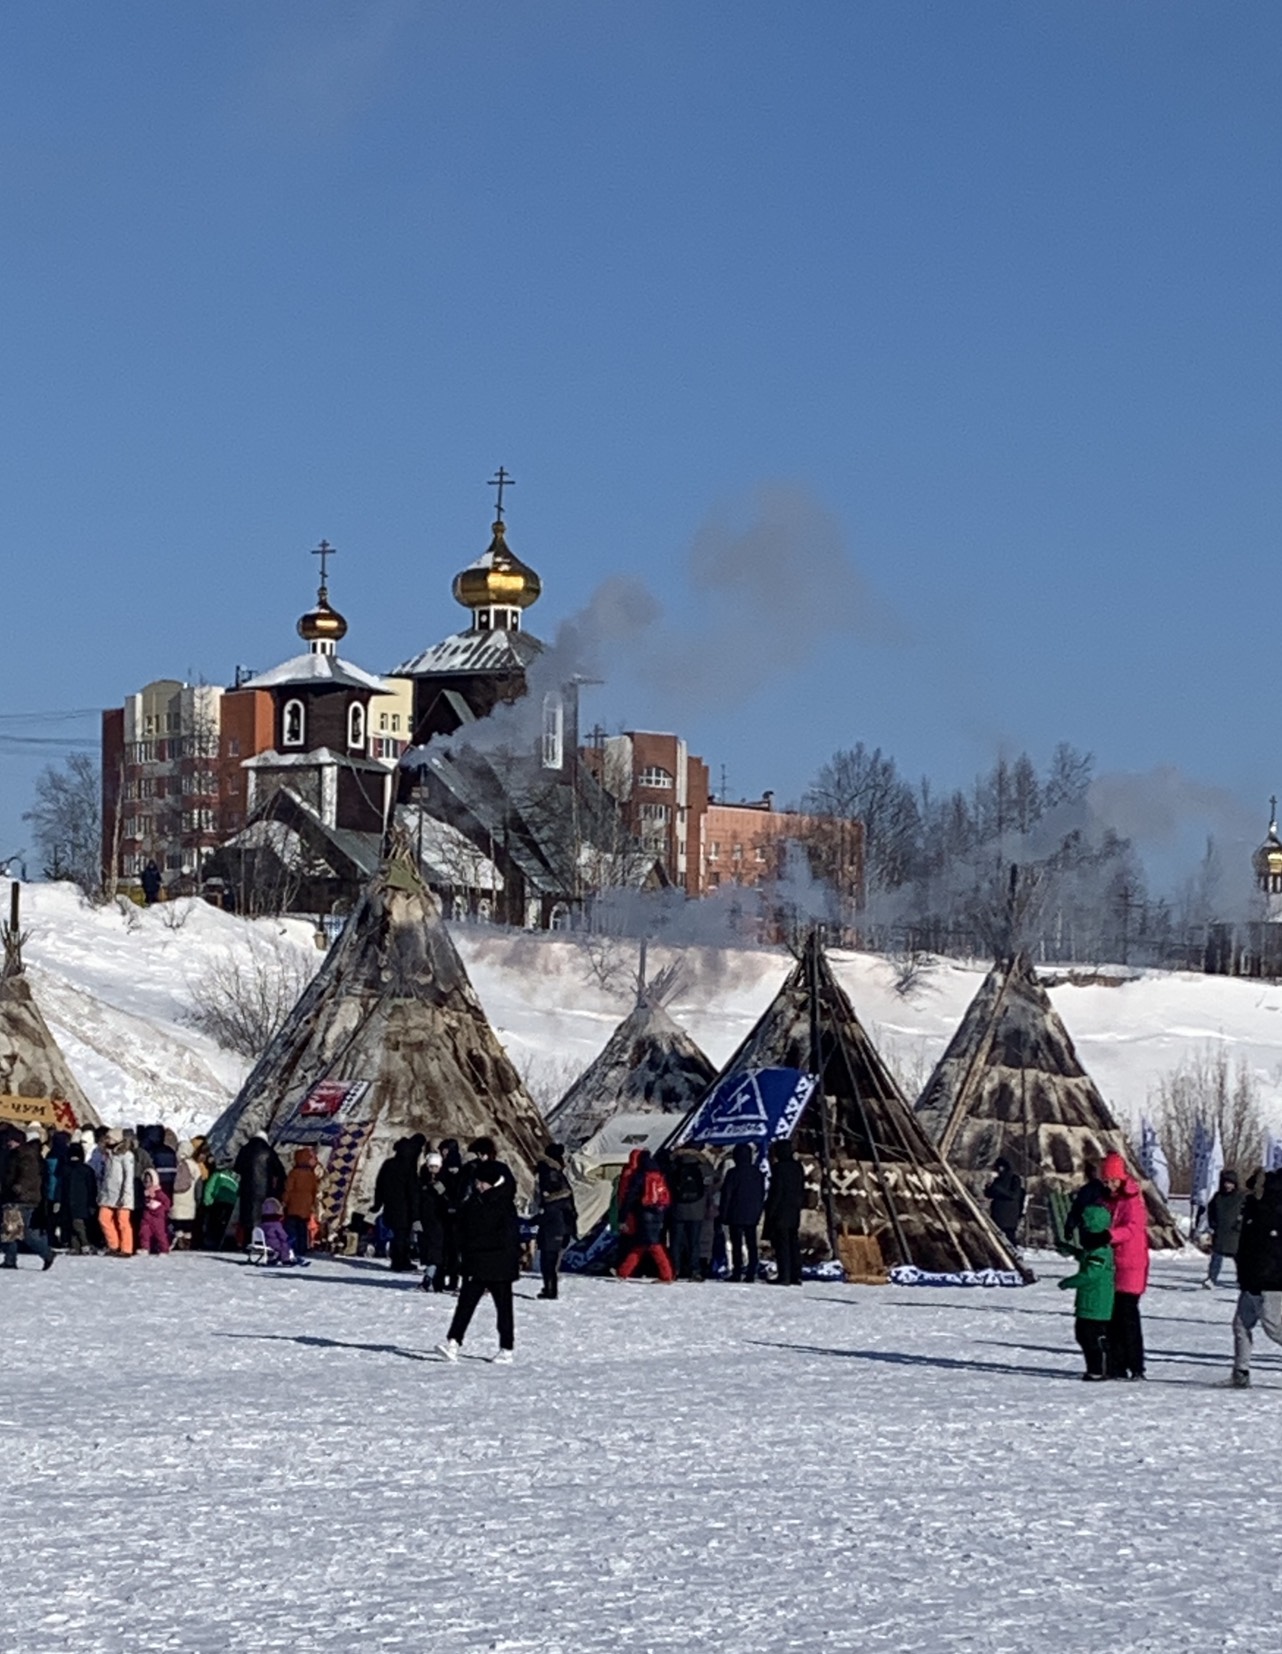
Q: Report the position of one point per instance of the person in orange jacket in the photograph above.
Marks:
(299, 1202)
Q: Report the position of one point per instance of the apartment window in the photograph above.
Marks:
(654, 775)
(714, 851)
(174, 861)
(714, 879)
(382, 720)
(396, 723)
(736, 852)
(761, 852)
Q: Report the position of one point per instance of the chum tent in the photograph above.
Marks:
(648, 1066)
(866, 1157)
(387, 1040)
(1010, 1083)
(36, 1085)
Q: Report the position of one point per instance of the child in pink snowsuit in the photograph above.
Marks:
(273, 1227)
(153, 1231)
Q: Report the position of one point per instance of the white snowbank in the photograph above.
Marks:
(119, 990)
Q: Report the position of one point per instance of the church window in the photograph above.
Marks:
(293, 724)
(356, 725)
(553, 731)
(482, 620)
(654, 775)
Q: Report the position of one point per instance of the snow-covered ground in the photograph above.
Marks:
(119, 989)
(198, 1456)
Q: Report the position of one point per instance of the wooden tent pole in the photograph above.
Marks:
(905, 1256)
(817, 1067)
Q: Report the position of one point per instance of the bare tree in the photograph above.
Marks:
(241, 998)
(66, 818)
(1210, 1088)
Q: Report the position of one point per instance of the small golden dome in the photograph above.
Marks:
(498, 579)
(1267, 860)
(322, 624)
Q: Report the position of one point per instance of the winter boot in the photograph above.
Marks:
(1241, 1379)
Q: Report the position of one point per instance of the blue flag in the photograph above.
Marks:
(759, 1106)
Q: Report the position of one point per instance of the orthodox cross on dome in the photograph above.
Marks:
(324, 551)
(1273, 814)
(500, 482)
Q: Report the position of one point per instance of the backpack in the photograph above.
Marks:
(654, 1192)
(689, 1181)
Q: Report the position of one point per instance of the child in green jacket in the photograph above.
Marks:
(1094, 1286)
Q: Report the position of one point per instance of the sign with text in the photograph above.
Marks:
(38, 1111)
(761, 1105)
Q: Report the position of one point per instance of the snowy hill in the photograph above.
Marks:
(120, 989)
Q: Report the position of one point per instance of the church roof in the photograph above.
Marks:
(499, 652)
(320, 672)
(273, 760)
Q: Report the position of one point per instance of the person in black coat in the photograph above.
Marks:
(1224, 1218)
(79, 1199)
(450, 1179)
(1005, 1195)
(743, 1200)
(1259, 1275)
(432, 1211)
(397, 1196)
(262, 1177)
(22, 1186)
(489, 1235)
(558, 1217)
(784, 1205)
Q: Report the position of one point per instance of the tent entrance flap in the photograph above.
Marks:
(761, 1105)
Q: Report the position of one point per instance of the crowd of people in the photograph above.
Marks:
(1106, 1231)
(685, 1214)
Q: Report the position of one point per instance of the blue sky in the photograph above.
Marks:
(988, 293)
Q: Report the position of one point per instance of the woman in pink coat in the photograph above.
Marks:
(1129, 1227)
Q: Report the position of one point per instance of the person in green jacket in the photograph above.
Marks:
(222, 1189)
(1093, 1284)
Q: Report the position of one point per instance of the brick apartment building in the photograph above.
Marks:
(662, 792)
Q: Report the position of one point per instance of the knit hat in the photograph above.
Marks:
(271, 1208)
(35, 1135)
(1114, 1167)
(433, 1162)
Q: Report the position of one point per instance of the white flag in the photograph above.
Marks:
(1153, 1161)
(1201, 1188)
(1216, 1163)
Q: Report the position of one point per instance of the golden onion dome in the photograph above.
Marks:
(498, 579)
(322, 624)
(1268, 858)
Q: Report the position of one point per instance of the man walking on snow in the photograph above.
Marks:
(489, 1235)
(1259, 1274)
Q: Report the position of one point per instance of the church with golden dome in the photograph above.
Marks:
(316, 756)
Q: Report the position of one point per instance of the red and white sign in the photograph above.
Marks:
(330, 1099)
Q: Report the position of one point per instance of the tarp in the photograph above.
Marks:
(615, 1141)
(761, 1105)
